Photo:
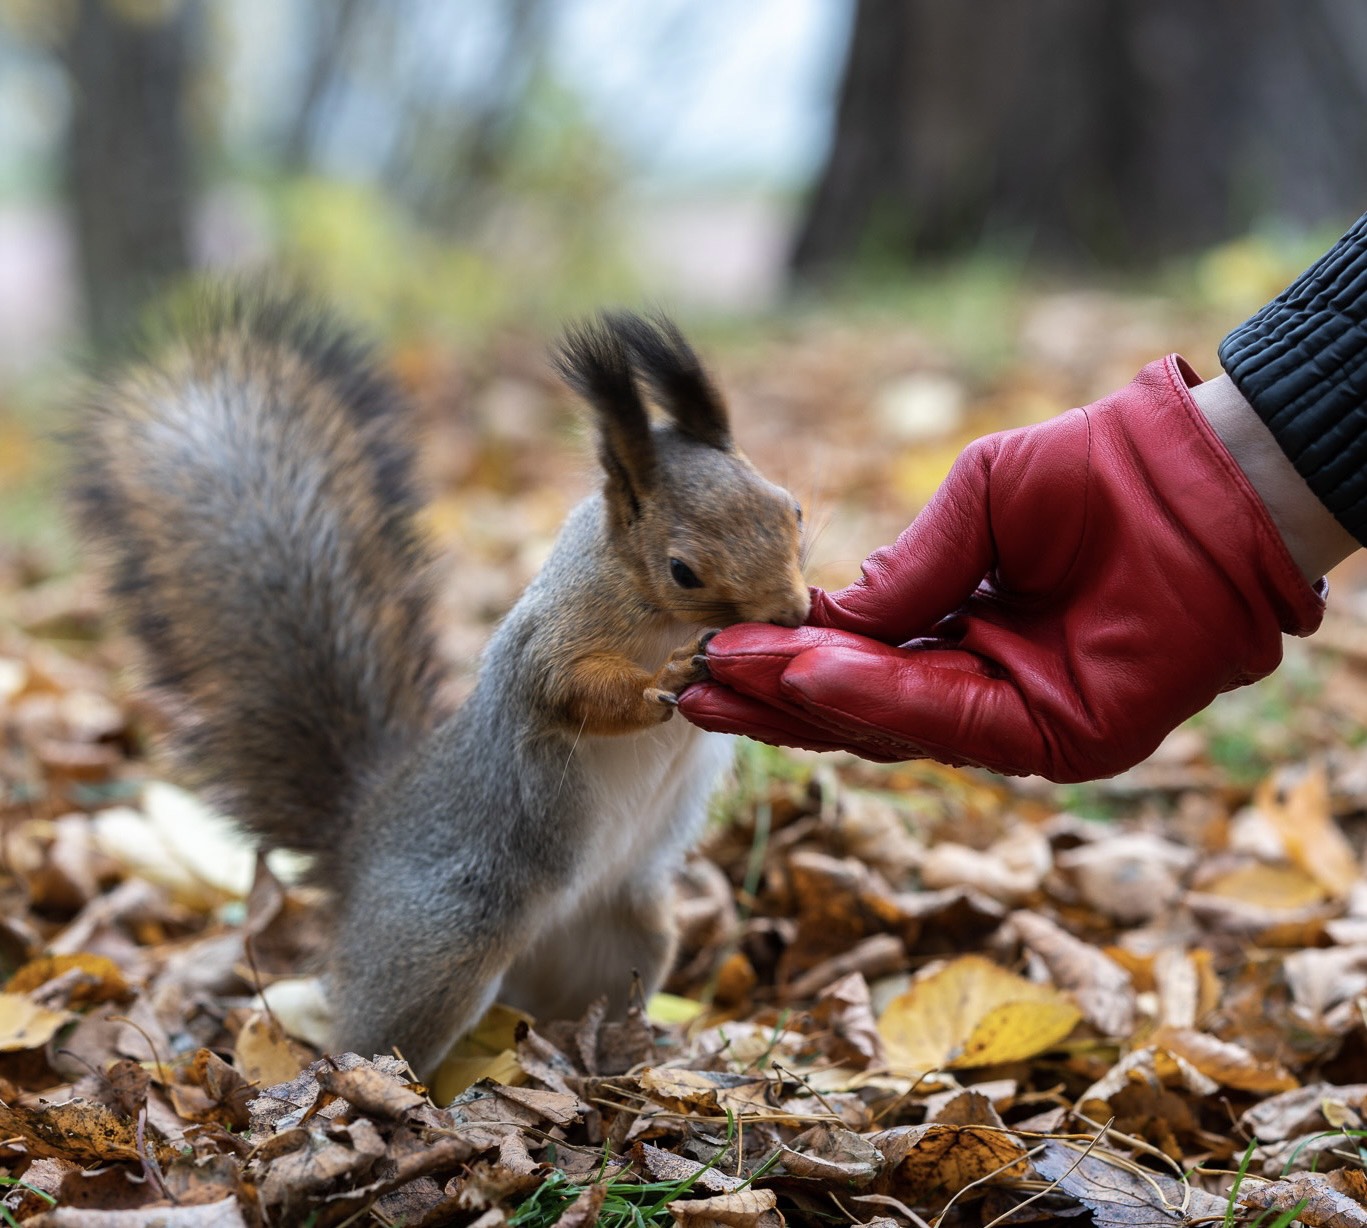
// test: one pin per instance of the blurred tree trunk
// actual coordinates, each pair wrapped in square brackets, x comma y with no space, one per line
[336,23]
[127,153]
[1112,131]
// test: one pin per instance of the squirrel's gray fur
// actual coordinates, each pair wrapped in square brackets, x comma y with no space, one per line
[251,485]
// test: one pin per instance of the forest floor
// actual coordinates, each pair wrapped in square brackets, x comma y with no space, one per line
[906,994]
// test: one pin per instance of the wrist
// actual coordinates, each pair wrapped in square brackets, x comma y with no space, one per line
[1313,537]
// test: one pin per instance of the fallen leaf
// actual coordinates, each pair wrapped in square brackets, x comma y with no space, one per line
[940,1159]
[26,1025]
[81,1131]
[1268,887]
[371,1090]
[1303,818]
[668,1009]
[708,1092]
[666,1166]
[845,1013]
[1331,1200]
[743,1209]
[1147,1065]
[1228,1064]
[1011,869]
[1119,1193]
[1134,876]
[1305,1110]
[1102,989]
[223,1214]
[264,1054]
[583,1211]
[101,980]
[831,1153]
[970,1012]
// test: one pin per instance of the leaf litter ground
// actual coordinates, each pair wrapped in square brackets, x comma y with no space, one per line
[907,995]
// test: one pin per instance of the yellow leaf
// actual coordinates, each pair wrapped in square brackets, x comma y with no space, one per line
[1017,1030]
[1306,825]
[102,980]
[1266,886]
[26,1025]
[972,1013]
[486,1052]
[265,1055]
[456,1074]
[494,1033]
[668,1008]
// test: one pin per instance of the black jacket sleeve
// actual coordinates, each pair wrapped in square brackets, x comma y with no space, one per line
[1301,362]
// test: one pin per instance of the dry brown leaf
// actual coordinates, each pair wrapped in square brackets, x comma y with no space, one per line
[80,1131]
[1011,869]
[371,1090]
[1332,1200]
[555,1107]
[1304,819]
[211,1090]
[1102,988]
[844,1013]
[1228,1064]
[743,1209]
[667,1166]
[223,1214]
[1149,1066]
[1321,980]
[1118,1193]
[1132,876]
[334,1157]
[875,956]
[583,1211]
[1187,986]
[832,1153]
[967,1107]
[708,1092]
[839,901]
[970,1012]
[941,1159]
[1306,1110]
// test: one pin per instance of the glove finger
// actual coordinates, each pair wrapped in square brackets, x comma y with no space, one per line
[722,710]
[935,565]
[751,657]
[943,703]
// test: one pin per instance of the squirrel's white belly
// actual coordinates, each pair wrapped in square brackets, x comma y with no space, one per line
[650,792]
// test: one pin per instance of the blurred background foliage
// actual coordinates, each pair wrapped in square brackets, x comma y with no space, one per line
[450,171]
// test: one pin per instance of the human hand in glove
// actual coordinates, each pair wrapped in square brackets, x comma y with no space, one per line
[1072,592]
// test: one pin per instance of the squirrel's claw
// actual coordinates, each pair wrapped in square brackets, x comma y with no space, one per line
[664,701]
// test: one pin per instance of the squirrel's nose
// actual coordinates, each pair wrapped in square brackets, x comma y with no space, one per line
[793,611]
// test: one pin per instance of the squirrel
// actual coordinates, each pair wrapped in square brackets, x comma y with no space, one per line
[253,488]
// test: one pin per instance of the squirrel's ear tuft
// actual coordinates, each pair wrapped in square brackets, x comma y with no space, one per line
[593,360]
[686,394]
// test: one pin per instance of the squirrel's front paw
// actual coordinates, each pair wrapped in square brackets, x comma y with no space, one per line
[685,666]
[660,701]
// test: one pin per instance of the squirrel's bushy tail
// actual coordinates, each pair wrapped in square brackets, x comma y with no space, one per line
[252,487]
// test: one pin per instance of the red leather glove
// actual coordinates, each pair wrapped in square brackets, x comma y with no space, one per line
[1073,591]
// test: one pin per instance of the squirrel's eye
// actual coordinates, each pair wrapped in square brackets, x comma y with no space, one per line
[797,511]
[683,574]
